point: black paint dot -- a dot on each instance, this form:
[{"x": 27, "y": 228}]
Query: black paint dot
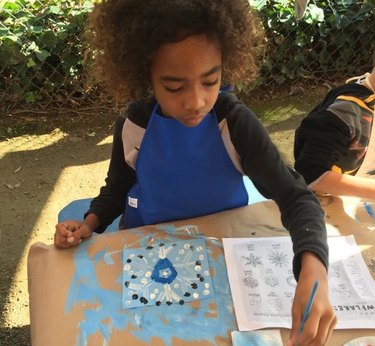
[
  {"x": 201, "y": 279},
  {"x": 140, "y": 256},
  {"x": 181, "y": 302},
  {"x": 192, "y": 247},
  {"x": 135, "y": 296},
  {"x": 194, "y": 285},
  {"x": 198, "y": 263},
  {"x": 149, "y": 247},
  {"x": 199, "y": 275},
  {"x": 128, "y": 260},
  {"x": 143, "y": 300},
  {"x": 158, "y": 303},
  {"x": 161, "y": 244},
  {"x": 187, "y": 294},
  {"x": 134, "y": 276},
  {"x": 169, "y": 303},
  {"x": 126, "y": 283}
]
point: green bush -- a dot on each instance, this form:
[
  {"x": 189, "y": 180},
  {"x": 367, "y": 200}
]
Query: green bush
[
  {"x": 332, "y": 41},
  {"x": 40, "y": 47}
]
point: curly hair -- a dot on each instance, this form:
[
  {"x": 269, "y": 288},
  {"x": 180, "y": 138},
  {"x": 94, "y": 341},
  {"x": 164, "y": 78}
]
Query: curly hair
[{"x": 125, "y": 34}]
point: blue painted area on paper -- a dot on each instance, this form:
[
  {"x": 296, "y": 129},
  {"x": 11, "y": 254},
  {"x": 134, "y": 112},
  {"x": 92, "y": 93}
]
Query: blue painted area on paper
[
  {"x": 103, "y": 313},
  {"x": 257, "y": 338}
]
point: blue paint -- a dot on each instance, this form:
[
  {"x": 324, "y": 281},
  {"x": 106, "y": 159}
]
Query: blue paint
[
  {"x": 369, "y": 210},
  {"x": 257, "y": 338},
  {"x": 108, "y": 257},
  {"x": 164, "y": 272},
  {"x": 102, "y": 312},
  {"x": 100, "y": 255},
  {"x": 191, "y": 230}
]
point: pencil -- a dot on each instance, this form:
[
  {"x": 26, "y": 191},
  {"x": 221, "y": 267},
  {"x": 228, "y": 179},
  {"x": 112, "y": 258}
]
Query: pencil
[{"x": 308, "y": 306}]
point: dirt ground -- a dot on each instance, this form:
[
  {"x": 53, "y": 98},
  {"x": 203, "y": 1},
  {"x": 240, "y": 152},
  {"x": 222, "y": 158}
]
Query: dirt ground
[{"x": 48, "y": 161}]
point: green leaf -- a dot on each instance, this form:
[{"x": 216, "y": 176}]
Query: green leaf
[
  {"x": 42, "y": 55},
  {"x": 29, "y": 97},
  {"x": 12, "y": 6},
  {"x": 345, "y": 21},
  {"x": 314, "y": 14},
  {"x": 47, "y": 40},
  {"x": 11, "y": 39},
  {"x": 258, "y": 4},
  {"x": 36, "y": 29},
  {"x": 32, "y": 47},
  {"x": 89, "y": 5},
  {"x": 3, "y": 32},
  {"x": 30, "y": 63},
  {"x": 55, "y": 10},
  {"x": 70, "y": 64}
]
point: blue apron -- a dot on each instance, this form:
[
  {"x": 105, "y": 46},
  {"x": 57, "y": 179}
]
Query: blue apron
[{"x": 182, "y": 172}]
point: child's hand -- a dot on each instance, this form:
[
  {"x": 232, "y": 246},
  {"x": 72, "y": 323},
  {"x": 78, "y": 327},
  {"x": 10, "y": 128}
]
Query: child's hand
[
  {"x": 321, "y": 321},
  {"x": 70, "y": 233}
]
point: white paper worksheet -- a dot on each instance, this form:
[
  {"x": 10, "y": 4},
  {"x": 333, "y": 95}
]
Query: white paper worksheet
[{"x": 262, "y": 282}]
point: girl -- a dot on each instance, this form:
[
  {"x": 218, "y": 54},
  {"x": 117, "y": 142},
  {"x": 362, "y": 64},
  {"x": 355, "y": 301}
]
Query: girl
[{"x": 184, "y": 146}]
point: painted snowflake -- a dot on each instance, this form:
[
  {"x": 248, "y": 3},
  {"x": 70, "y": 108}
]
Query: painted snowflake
[{"x": 166, "y": 273}]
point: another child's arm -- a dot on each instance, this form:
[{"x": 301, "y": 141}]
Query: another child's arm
[
  {"x": 338, "y": 184},
  {"x": 324, "y": 139}
]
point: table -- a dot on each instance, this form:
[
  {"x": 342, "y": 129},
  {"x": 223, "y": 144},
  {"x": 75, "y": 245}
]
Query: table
[{"x": 75, "y": 294}]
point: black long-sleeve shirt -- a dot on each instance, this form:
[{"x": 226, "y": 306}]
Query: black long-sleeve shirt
[{"x": 335, "y": 134}]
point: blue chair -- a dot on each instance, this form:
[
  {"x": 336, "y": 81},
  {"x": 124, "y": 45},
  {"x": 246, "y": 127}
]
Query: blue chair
[
  {"x": 76, "y": 209},
  {"x": 254, "y": 194}
]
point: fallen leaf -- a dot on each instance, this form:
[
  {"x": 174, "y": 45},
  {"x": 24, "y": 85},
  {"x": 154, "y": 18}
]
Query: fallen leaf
[
  {"x": 9, "y": 186},
  {"x": 18, "y": 169}
]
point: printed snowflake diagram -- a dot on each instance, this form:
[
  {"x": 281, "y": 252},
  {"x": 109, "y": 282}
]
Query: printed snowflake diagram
[
  {"x": 279, "y": 259},
  {"x": 252, "y": 260}
]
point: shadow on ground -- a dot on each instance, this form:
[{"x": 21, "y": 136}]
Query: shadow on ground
[
  {"x": 34, "y": 154},
  {"x": 17, "y": 336}
]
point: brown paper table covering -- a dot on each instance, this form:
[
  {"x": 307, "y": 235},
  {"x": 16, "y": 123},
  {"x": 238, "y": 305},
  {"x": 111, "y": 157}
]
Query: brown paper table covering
[{"x": 75, "y": 294}]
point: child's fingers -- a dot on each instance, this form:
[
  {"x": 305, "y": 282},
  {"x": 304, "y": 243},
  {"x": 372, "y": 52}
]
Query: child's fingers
[
  {"x": 82, "y": 233},
  {"x": 317, "y": 329},
  {"x": 296, "y": 318},
  {"x": 71, "y": 233},
  {"x": 310, "y": 331},
  {"x": 64, "y": 234},
  {"x": 326, "y": 325},
  {"x": 60, "y": 240}
]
